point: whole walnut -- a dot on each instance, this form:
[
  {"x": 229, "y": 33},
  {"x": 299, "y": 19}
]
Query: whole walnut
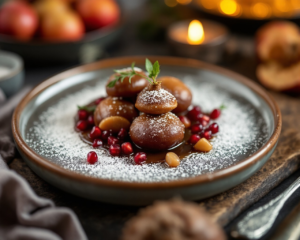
[{"x": 173, "y": 220}]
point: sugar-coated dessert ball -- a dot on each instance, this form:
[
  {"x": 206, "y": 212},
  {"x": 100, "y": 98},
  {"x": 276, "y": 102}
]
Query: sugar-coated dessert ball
[
  {"x": 155, "y": 100},
  {"x": 113, "y": 106},
  {"x": 180, "y": 91},
  {"x": 126, "y": 89},
  {"x": 157, "y": 132}
]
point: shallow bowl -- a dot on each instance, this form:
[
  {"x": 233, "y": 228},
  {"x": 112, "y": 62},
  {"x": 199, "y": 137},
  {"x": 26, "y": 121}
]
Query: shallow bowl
[{"x": 230, "y": 165}]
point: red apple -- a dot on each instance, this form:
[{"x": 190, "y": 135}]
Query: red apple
[
  {"x": 18, "y": 19},
  {"x": 97, "y": 14},
  {"x": 62, "y": 26},
  {"x": 278, "y": 41}
]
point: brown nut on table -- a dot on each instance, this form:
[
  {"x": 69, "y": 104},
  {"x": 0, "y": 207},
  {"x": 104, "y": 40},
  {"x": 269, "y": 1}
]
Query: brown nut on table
[
  {"x": 157, "y": 132},
  {"x": 174, "y": 220},
  {"x": 114, "y": 107},
  {"x": 126, "y": 89},
  {"x": 180, "y": 91},
  {"x": 155, "y": 100}
]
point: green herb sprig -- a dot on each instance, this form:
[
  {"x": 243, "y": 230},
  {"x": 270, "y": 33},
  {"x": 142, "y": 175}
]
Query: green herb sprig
[
  {"x": 87, "y": 108},
  {"x": 222, "y": 107},
  {"x": 152, "y": 69}
]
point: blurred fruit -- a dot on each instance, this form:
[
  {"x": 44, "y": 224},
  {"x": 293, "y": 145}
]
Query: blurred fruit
[
  {"x": 275, "y": 77},
  {"x": 44, "y": 7},
  {"x": 64, "y": 26},
  {"x": 278, "y": 41},
  {"x": 18, "y": 19},
  {"x": 97, "y": 14},
  {"x": 278, "y": 49}
]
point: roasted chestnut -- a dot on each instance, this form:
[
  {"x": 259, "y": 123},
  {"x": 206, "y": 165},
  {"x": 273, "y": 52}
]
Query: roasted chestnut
[
  {"x": 155, "y": 100},
  {"x": 113, "y": 106},
  {"x": 176, "y": 220},
  {"x": 126, "y": 89},
  {"x": 157, "y": 132},
  {"x": 180, "y": 91}
]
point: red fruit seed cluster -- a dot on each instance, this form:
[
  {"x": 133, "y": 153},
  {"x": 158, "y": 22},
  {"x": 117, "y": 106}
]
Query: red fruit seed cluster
[{"x": 202, "y": 127}]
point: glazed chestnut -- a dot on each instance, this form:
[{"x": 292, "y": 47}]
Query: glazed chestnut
[
  {"x": 126, "y": 89},
  {"x": 155, "y": 100},
  {"x": 113, "y": 106},
  {"x": 157, "y": 132},
  {"x": 180, "y": 91}
]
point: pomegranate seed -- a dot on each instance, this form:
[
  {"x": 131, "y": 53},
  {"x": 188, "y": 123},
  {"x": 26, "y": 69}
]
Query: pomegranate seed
[
  {"x": 127, "y": 148},
  {"x": 82, "y": 125},
  {"x": 112, "y": 140},
  {"x": 140, "y": 157},
  {"x": 122, "y": 134},
  {"x": 97, "y": 143},
  {"x": 206, "y": 134},
  {"x": 90, "y": 120},
  {"x": 215, "y": 113},
  {"x": 92, "y": 157},
  {"x": 105, "y": 134},
  {"x": 115, "y": 149},
  {"x": 194, "y": 138},
  {"x": 82, "y": 115},
  {"x": 202, "y": 117},
  {"x": 192, "y": 114},
  {"x": 186, "y": 122},
  {"x": 197, "y": 128},
  {"x": 95, "y": 133},
  {"x": 99, "y": 100},
  {"x": 214, "y": 128}
]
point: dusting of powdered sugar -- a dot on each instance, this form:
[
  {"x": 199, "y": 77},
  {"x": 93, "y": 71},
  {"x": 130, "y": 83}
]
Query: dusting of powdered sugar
[
  {"x": 242, "y": 132},
  {"x": 156, "y": 97}
]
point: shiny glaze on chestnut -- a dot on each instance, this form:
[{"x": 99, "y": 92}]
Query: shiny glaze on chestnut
[
  {"x": 180, "y": 91},
  {"x": 113, "y": 106},
  {"x": 157, "y": 132},
  {"x": 183, "y": 149},
  {"x": 126, "y": 89}
]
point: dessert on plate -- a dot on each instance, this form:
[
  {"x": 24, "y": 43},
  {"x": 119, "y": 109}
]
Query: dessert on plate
[{"x": 149, "y": 118}]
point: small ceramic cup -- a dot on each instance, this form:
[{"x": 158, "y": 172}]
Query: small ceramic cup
[{"x": 11, "y": 73}]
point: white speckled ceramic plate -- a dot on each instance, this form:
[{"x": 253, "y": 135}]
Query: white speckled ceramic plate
[{"x": 43, "y": 127}]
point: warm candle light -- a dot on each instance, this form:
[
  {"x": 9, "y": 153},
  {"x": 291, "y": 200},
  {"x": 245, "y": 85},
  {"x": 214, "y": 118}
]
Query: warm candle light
[
  {"x": 195, "y": 33},
  {"x": 228, "y": 7}
]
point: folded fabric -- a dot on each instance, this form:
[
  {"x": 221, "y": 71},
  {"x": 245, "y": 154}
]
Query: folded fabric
[{"x": 24, "y": 215}]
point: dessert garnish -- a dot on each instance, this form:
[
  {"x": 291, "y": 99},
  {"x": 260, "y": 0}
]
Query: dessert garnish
[
  {"x": 92, "y": 157},
  {"x": 153, "y": 71},
  {"x": 137, "y": 122},
  {"x": 172, "y": 159},
  {"x": 176, "y": 220}
]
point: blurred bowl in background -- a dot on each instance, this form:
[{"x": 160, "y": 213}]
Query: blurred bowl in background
[
  {"x": 11, "y": 73},
  {"x": 87, "y": 49}
]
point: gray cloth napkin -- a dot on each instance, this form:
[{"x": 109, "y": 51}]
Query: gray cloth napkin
[{"x": 24, "y": 215}]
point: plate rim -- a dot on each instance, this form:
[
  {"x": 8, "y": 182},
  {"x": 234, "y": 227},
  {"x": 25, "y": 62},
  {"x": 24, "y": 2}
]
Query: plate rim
[{"x": 164, "y": 60}]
